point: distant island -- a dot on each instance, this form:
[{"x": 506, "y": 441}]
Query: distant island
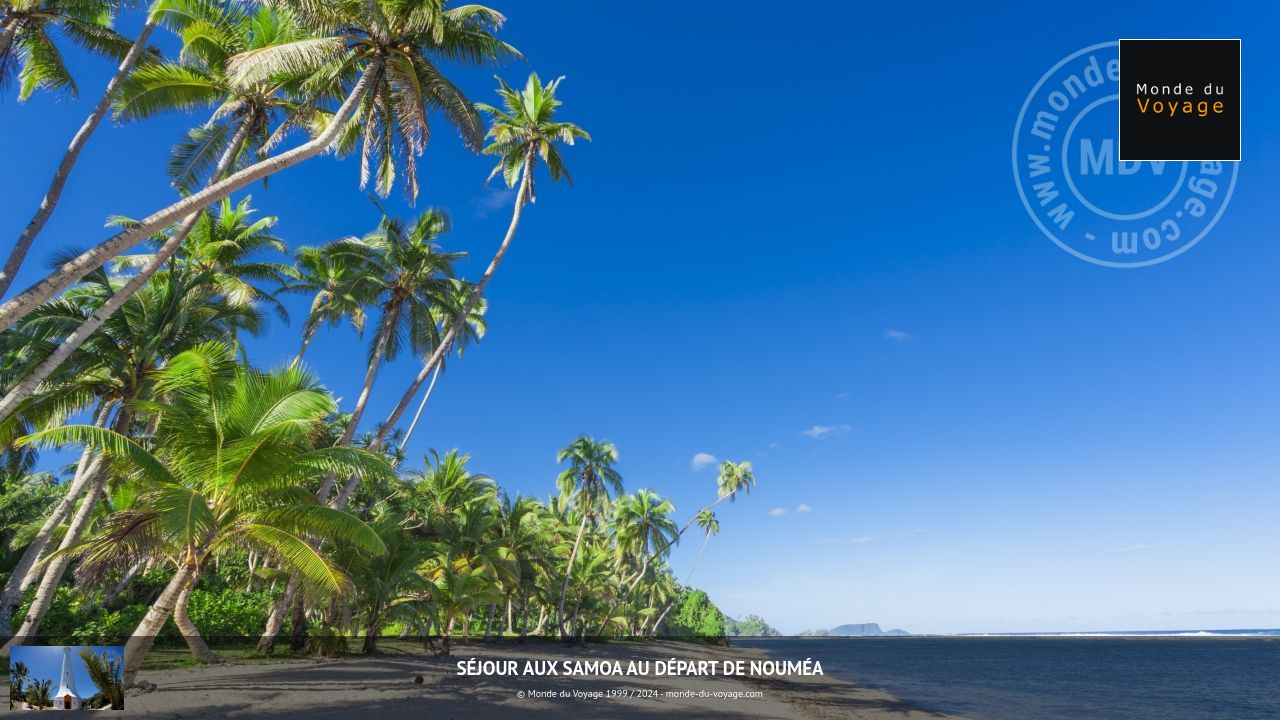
[{"x": 856, "y": 630}]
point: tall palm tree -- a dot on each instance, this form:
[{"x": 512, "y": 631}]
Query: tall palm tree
[
  {"x": 588, "y": 482},
  {"x": 641, "y": 525},
  {"x": 384, "y": 46},
  {"x": 413, "y": 280},
  {"x": 233, "y": 447},
  {"x": 710, "y": 526},
  {"x": 43, "y": 67},
  {"x": 104, "y": 671},
  {"x": 521, "y": 134}
]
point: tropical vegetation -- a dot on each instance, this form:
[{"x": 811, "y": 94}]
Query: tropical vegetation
[{"x": 210, "y": 496}]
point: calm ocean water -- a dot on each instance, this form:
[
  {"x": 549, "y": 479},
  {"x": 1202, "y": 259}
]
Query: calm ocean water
[{"x": 1060, "y": 678}]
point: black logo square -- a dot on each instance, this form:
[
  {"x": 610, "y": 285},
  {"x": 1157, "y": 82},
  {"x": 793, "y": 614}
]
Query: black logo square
[{"x": 1180, "y": 100}]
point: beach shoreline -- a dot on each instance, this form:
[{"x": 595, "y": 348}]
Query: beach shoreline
[{"x": 387, "y": 686}]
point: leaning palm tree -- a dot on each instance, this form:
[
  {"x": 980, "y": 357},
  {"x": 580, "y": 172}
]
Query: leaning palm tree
[
  {"x": 233, "y": 446},
  {"x": 522, "y": 133},
  {"x": 88, "y": 24},
  {"x": 104, "y": 671},
  {"x": 710, "y": 526},
  {"x": 588, "y": 482},
  {"x": 385, "y": 48}
]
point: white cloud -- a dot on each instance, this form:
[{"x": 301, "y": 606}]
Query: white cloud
[
  {"x": 819, "y": 432},
  {"x": 493, "y": 199},
  {"x": 702, "y": 459},
  {"x": 896, "y": 335},
  {"x": 803, "y": 508},
  {"x": 777, "y": 512},
  {"x": 862, "y": 540}
]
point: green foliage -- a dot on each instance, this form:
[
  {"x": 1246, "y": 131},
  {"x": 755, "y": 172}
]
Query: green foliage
[
  {"x": 750, "y": 626},
  {"x": 24, "y": 500},
  {"x": 697, "y": 616}
]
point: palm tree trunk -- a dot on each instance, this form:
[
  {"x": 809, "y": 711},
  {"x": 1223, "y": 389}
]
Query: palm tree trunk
[
  {"x": 437, "y": 356},
  {"x": 190, "y": 633},
  {"x": 488, "y": 628},
  {"x": 308, "y": 335},
  {"x": 72, "y": 342},
  {"x": 275, "y": 619},
  {"x": 298, "y": 637},
  {"x": 511, "y": 628},
  {"x": 27, "y": 570},
  {"x": 8, "y": 32},
  {"x": 435, "y": 374},
  {"x": 568, "y": 573},
  {"x": 698, "y": 558},
  {"x": 81, "y": 138},
  {"x": 389, "y": 320},
  {"x": 95, "y": 257},
  {"x": 118, "y": 589},
  {"x": 144, "y": 636}
]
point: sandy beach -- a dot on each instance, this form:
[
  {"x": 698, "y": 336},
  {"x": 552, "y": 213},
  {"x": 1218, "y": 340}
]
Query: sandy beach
[{"x": 384, "y": 687}]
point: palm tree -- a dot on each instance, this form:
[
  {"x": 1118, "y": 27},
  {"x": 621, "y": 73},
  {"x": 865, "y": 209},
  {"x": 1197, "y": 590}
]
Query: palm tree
[
  {"x": 588, "y": 482},
  {"x": 383, "y": 581},
  {"x": 521, "y": 135},
  {"x": 413, "y": 280},
  {"x": 233, "y": 446},
  {"x": 340, "y": 276},
  {"x": 18, "y": 674},
  {"x": 641, "y": 524},
  {"x": 385, "y": 45},
  {"x": 174, "y": 313},
  {"x": 710, "y": 526},
  {"x": 26, "y": 43},
  {"x": 224, "y": 244},
  {"x": 104, "y": 671},
  {"x": 40, "y": 694},
  {"x": 87, "y": 23}
]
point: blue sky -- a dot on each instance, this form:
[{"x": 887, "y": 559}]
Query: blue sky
[
  {"x": 796, "y": 240},
  {"x": 45, "y": 663}
]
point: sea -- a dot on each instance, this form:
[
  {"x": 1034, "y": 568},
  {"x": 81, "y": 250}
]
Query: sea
[{"x": 1177, "y": 675}]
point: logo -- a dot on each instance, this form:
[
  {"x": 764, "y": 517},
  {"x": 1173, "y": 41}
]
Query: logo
[{"x": 1071, "y": 180}]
